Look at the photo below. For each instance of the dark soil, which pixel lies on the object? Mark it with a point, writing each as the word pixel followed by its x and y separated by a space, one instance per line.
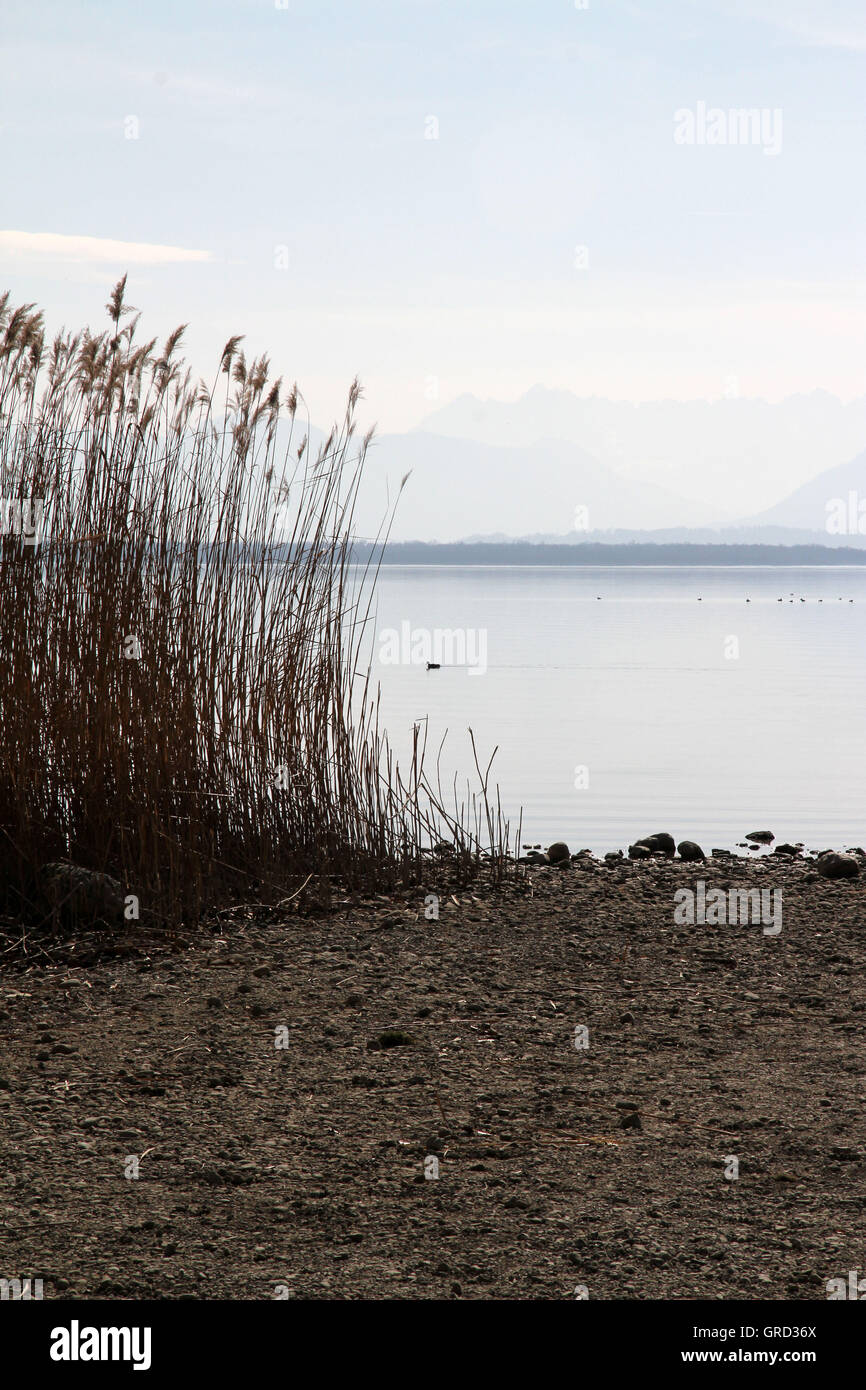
pixel 303 1166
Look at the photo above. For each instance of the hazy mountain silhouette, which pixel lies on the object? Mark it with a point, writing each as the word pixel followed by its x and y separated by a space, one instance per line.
pixel 824 503
pixel 736 455
pixel 459 486
pixel 465 490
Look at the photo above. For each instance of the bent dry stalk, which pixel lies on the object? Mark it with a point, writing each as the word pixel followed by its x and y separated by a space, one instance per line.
pixel 185 702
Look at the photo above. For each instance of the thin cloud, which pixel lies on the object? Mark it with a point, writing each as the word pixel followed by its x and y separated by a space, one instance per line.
pixel 94 250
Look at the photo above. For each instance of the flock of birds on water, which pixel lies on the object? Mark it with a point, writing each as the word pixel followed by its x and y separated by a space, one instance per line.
pixel 435 666
pixel 790 599
pixel 748 600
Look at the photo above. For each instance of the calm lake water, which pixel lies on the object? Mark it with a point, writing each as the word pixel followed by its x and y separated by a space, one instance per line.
pixel 630 700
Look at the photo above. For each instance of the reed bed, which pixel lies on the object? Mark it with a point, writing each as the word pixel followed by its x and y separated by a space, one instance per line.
pixel 186 699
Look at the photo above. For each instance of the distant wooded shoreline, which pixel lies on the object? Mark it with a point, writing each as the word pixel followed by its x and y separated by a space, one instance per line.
pixel 598 553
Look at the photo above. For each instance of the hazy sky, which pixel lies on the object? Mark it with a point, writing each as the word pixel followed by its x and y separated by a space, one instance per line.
pixel 286 152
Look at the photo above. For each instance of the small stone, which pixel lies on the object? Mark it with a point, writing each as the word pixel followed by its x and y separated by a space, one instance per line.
pixel 392 1037
pixel 761 837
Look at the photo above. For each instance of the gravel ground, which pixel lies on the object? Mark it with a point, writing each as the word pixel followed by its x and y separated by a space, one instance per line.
pixel 298 1169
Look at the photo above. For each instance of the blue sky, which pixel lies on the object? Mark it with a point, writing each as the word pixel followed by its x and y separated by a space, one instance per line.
pixel 270 137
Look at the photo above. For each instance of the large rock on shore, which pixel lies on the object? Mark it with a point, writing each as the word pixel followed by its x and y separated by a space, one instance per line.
pixel 81 897
pixel 662 843
pixel 558 853
pixel 831 865
pixel 690 851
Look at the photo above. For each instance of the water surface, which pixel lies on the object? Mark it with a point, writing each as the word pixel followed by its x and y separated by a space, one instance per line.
pixel 630 700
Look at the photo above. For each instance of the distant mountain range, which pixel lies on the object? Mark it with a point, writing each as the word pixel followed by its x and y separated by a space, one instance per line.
pixel 736 456
pixel 828 511
pixel 457 485
pixel 735 472
pixel 833 503
pixel 554 467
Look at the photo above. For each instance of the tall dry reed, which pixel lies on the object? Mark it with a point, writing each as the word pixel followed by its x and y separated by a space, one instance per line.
pixel 184 696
